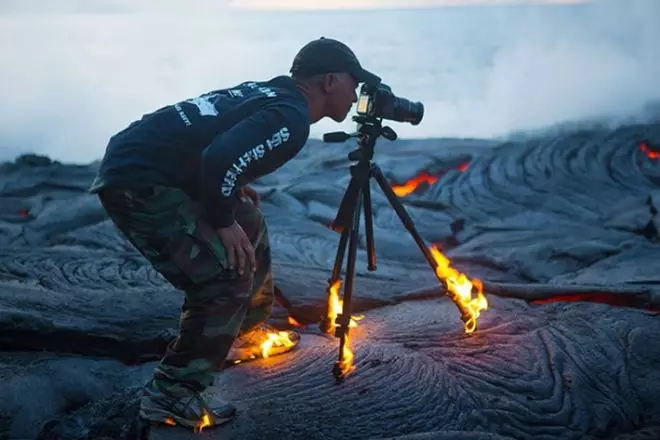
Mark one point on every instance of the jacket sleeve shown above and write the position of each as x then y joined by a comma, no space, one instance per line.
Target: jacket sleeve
256,146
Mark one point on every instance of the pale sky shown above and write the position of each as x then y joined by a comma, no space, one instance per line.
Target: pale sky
381,4
113,6
480,72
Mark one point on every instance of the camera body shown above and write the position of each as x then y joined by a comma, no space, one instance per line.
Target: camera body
379,102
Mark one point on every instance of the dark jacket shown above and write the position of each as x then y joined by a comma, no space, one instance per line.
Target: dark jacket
211,145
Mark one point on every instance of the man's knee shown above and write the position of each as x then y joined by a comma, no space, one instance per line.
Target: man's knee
251,220
221,293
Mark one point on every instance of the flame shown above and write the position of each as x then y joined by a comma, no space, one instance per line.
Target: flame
203,423
461,288
335,309
267,341
346,365
652,154
275,339
423,177
293,322
336,306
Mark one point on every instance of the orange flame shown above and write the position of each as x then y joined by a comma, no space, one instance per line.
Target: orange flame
423,177
335,309
346,365
649,152
203,422
206,421
336,306
275,339
460,288
293,322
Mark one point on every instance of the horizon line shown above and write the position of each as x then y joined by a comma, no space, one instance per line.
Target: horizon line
346,5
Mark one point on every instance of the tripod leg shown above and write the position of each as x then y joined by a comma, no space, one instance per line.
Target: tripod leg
402,213
341,250
369,226
348,210
344,365
327,324
408,223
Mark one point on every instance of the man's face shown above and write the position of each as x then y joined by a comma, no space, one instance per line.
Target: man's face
341,93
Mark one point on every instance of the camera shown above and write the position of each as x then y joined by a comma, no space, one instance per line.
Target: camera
379,102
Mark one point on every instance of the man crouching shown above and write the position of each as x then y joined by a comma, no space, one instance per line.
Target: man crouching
174,184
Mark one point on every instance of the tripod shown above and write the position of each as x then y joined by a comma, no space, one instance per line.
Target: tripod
357,198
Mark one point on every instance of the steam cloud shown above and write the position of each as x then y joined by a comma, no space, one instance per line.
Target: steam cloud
71,80
603,62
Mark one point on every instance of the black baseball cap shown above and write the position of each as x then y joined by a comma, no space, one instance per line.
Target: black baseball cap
326,55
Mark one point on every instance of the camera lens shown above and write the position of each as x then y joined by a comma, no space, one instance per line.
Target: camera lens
403,110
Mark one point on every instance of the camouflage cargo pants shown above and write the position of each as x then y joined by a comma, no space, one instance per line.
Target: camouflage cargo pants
168,228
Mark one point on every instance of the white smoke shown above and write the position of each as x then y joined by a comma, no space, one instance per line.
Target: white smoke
71,80
603,62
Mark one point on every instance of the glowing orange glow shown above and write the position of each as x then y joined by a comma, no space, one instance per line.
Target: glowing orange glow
206,421
335,309
293,322
652,154
275,339
268,342
612,299
423,177
346,366
336,306
203,422
411,185
461,289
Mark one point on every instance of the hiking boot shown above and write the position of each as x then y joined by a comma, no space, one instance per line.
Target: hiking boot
187,408
260,342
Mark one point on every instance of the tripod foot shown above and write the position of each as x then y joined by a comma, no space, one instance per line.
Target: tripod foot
326,326
337,372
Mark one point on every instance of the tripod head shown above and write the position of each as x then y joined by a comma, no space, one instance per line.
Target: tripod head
369,129
375,103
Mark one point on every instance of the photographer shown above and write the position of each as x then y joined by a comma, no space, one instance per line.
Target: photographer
174,184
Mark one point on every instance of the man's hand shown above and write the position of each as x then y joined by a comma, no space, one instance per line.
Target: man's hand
246,191
238,246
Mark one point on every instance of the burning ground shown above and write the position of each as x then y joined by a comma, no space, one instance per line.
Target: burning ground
561,229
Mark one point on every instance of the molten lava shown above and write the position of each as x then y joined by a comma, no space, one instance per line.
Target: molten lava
613,299
461,290
411,185
335,309
652,154
423,177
